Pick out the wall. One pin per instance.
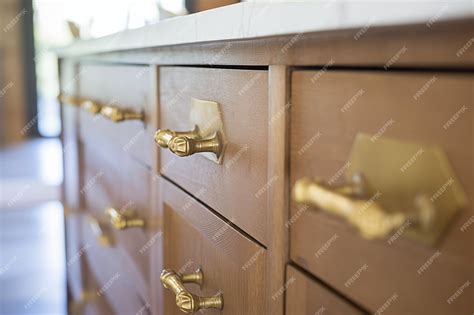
(13, 99)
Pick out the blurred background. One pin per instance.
(32, 257)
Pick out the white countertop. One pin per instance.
(253, 20)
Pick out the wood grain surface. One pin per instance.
(107, 185)
(419, 105)
(237, 188)
(232, 264)
(306, 296)
(127, 87)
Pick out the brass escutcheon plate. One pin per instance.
(397, 171)
(207, 116)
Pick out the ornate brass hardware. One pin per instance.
(163, 137)
(184, 146)
(117, 114)
(102, 238)
(371, 219)
(91, 106)
(185, 300)
(123, 221)
(113, 113)
(396, 189)
(206, 138)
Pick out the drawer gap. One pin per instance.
(328, 287)
(224, 219)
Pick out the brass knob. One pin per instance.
(184, 146)
(164, 136)
(117, 114)
(186, 301)
(102, 238)
(91, 106)
(123, 221)
(367, 215)
(188, 143)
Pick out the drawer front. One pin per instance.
(231, 264)
(306, 296)
(395, 273)
(109, 267)
(128, 88)
(237, 187)
(123, 184)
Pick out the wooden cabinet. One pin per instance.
(232, 265)
(408, 106)
(239, 182)
(285, 107)
(306, 296)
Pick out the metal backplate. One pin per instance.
(206, 115)
(397, 172)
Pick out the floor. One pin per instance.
(32, 257)
(30, 173)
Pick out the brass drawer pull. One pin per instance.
(207, 137)
(91, 106)
(113, 113)
(188, 143)
(185, 300)
(368, 216)
(163, 137)
(102, 238)
(388, 189)
(117, 114)
(123, 221)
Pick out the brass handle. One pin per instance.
(367, 215)
(185, 300)
(102, 238)
(117, 114)
(91, 106)
(188, 143)
(123, 221)
(113, 113)
(163, 137)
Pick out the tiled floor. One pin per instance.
(32, 257)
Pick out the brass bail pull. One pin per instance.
(367, 215)
(186, 301)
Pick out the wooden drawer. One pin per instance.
(123, 184)
(306, 296)
(109, 266)
(232, 264)
(237, 188)
(127, 88)
(394, 274)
